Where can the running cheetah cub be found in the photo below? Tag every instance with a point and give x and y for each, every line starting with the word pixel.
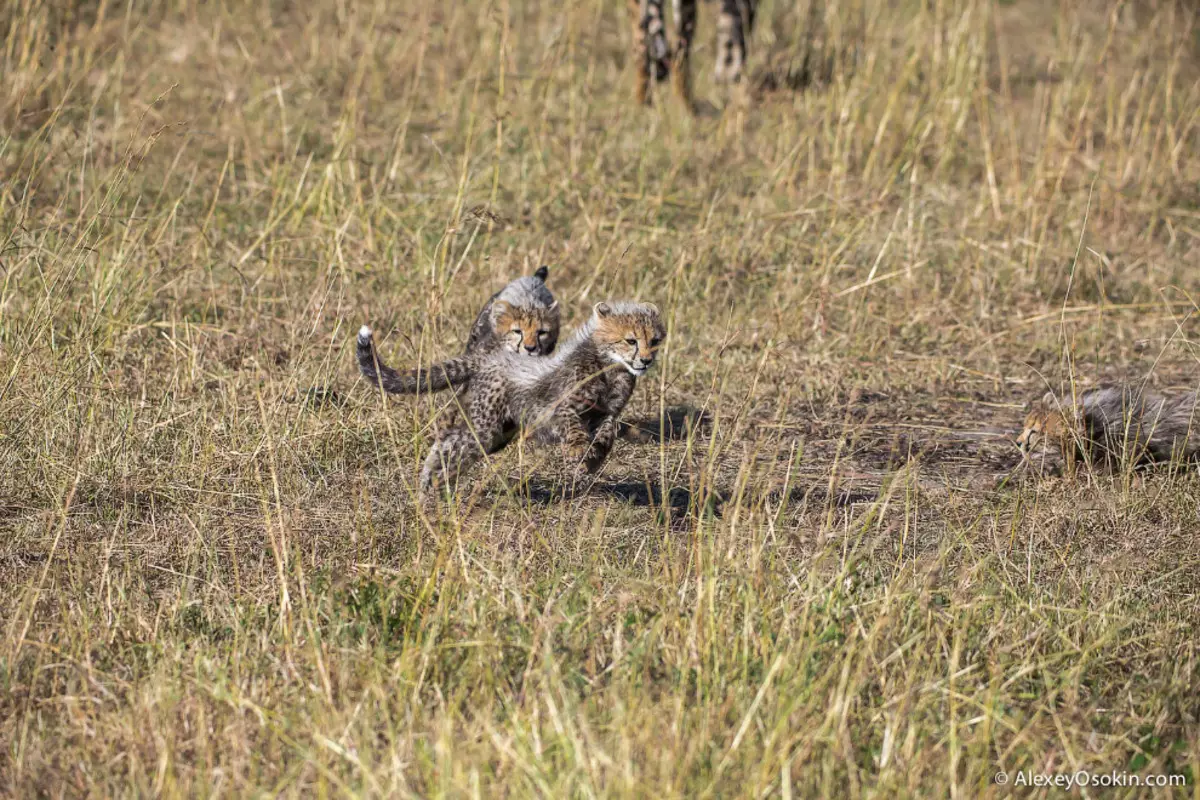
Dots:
pixel 573 397
pixel 1116 425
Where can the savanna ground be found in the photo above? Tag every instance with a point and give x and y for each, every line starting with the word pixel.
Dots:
pixel 821 572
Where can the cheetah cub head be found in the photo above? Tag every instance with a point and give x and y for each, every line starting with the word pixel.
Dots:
pixel 526 330
pixel 1045 423
pixel 629 334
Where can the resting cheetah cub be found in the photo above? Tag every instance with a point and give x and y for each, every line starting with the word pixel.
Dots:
pixel 573 397
pixel 1116 425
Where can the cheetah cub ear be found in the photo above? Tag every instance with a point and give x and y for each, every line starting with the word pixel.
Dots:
pixel 602 310
pixel 653 309
pixel 1048 400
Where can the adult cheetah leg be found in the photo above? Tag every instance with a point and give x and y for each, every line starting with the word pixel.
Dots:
pixel 651 54
pixel 685 30
pixel 641 64
pixel 733 26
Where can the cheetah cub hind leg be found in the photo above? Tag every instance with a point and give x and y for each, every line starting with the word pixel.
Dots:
pixel 453 454
pixel 460 447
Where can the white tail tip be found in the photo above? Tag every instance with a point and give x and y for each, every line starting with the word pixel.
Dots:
pixel 364 333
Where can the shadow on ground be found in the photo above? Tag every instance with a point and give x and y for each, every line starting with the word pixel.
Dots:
pixel 686 502
pixel 675 424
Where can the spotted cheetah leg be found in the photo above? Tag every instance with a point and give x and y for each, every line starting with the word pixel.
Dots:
pixel 651 54
pixel 450 454
pixel 685 31
pixel 464 444
pixel 575 443
pixel 584 452
pixel 641 65
pixel 601 444
pixel 450 413
pixel 733 26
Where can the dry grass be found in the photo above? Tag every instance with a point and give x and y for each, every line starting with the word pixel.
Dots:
pixel 826 579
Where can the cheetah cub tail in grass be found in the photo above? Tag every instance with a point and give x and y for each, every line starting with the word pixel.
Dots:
pixel 454 372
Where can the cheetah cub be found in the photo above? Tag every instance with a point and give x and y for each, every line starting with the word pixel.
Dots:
pixel 522 318
pixel 573 397
pixel 1116 425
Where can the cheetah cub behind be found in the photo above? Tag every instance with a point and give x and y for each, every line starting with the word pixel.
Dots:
pixel 573 397
pixel 1115 425
pixel 523 318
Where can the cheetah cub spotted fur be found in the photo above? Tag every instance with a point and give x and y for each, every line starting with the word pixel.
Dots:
pixel 573 397
pixel 523 318
pixel 1115 425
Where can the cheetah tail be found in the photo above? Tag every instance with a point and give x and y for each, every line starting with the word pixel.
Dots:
pixel 453 372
